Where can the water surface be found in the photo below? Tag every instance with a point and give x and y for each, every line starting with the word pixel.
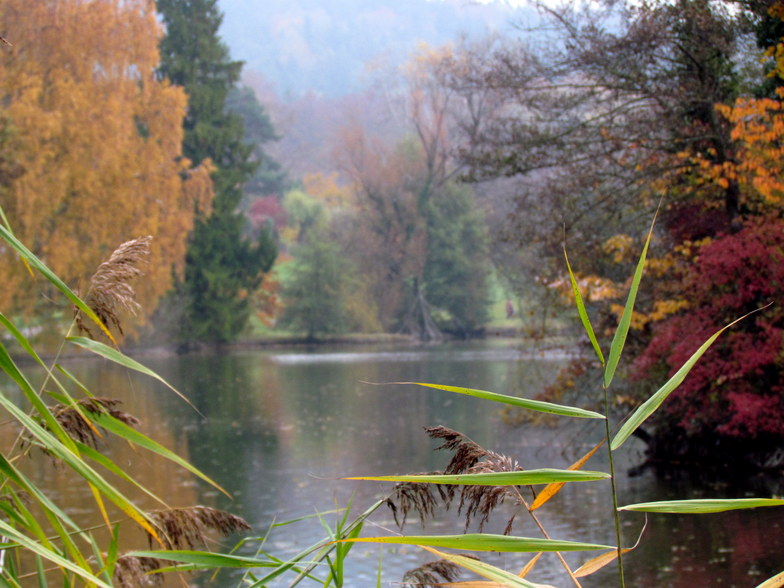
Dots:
pixel 279 428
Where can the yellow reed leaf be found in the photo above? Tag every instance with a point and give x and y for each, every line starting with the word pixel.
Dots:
pixel 552 489
pixel 530 565
pixel 597 563
pixel 776 581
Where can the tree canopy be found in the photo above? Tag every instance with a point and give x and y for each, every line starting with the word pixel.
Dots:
pixel 223 266
pixel 91 143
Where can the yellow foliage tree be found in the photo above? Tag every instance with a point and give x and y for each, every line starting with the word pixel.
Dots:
pixel 96 138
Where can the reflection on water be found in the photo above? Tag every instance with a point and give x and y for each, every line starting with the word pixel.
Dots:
pixel 280 428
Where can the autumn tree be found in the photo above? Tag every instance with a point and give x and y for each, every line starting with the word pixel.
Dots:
pixel 582 130
pixel 735 397
pixel 91 143
pixel 223 267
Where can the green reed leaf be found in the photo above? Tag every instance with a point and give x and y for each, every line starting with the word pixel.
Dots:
pixel 47 554
pixel 100 458
pixel 619 339
pixel 120 358
pixel 198 560
pixel 521 478
pixel 650 406
pixel 578 300
pixel 10 471
pixel 9 367
pixel 485 542
pixel 30 258
pixel 537 405
pixel 130 434
pixel 499 576
pixel 703 506
pixel 70 458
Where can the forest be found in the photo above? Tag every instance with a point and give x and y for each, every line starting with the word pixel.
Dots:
pixel 437 203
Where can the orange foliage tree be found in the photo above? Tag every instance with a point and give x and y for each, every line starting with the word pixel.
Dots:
pixel 95 138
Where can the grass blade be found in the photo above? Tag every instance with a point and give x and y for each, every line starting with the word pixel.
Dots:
pixel 485 542
pixel 30 259
pixel 501 577
pixel 619 339
pixel 197 560
pixel 521 478
pixel 554 487
pixel 703 506
pixel 530 565
pixel 130 434
pixel 120 358
pixel 49 555
pixel 578 300
pixel 595 564
pixel 536 405
pixel 649 406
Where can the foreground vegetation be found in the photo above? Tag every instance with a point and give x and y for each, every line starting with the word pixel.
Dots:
pixel 42 541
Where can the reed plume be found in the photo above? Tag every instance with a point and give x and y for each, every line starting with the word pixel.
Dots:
pixel 416 497
pixel 74 420
pixel 480 501
pixel 110 290
pixel 186 528
pixel 468 457
pixel 133 572
pixel 434 573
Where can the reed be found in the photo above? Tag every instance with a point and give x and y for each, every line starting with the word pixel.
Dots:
pixel 41 542
pixel 483 479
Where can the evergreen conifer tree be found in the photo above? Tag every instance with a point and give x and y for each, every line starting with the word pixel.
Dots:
pixel 222 266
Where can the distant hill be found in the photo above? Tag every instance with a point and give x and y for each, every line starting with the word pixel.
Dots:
pixel 323 45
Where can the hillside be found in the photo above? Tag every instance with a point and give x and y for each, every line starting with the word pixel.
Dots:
pixel 324 45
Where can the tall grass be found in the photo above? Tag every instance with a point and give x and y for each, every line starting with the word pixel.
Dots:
pixel 480 479
pixel 498 477
pixel 62 422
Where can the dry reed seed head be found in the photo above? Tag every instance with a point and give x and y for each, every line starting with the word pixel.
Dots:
pixel 480 501
pixel 187 527
pixel 465 451
pixel 75 424
pixel 110 289
pixel 133 572
pixel 434 573
pixel 469 457
pixel 416 497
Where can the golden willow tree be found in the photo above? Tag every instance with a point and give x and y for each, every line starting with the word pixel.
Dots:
pixel 90 141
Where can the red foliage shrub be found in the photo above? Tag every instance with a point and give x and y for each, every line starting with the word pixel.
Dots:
pixel 736 390
pixel 265 210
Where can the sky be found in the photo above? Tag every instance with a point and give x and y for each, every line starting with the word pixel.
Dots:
pixel 324 45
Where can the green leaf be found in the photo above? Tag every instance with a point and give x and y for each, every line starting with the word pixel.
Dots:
pixel 76 463
pixel 205 559
pixel 49 555
pixel 485 542
pixel 120 358
pixel 536 405
pixel 9 367
pixel 654 402
pixel 703 506
pixel 578 299
pixel 123 431
pixel 619 339
pixel 521 478
pixel 485 570
pixel 30 258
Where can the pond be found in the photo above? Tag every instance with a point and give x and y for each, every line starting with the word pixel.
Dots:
pixel 280 427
